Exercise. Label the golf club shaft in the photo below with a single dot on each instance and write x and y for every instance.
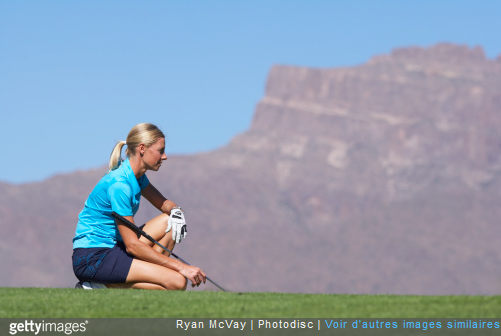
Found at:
(137, 230)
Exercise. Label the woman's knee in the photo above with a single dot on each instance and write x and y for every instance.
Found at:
(145, 272)
(178, 282)
(156, 227)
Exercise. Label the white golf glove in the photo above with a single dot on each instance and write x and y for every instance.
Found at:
(177, 223)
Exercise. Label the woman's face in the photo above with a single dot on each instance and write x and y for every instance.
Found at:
(154, 155)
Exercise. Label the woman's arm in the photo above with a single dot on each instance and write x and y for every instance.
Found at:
(161, 203)
(144, 252)
(157, 199)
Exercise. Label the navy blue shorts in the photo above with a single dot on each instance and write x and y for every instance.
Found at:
(101, 264)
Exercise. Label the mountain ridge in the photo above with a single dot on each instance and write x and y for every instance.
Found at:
(378, 178)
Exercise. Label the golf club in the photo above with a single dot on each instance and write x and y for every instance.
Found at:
(137, 230)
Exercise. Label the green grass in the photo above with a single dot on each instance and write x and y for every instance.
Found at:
(72, 303)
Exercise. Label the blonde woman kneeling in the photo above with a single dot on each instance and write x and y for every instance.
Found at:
(109, 255)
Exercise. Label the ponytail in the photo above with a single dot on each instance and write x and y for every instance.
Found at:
(116, 156)
(144, 133)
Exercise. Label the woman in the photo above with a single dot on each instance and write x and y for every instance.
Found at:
(110, 255)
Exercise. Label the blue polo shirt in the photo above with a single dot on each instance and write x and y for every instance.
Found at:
(118, 191)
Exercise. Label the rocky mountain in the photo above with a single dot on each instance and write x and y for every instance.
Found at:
(378, 178)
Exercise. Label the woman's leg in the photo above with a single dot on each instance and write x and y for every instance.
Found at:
(145, 275)
(156, 229)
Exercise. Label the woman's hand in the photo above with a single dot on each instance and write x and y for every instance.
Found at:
(194, 274)
(177, 223)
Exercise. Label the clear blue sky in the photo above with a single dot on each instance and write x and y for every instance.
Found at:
(75, 76)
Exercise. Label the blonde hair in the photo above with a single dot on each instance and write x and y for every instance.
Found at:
(141, 133)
